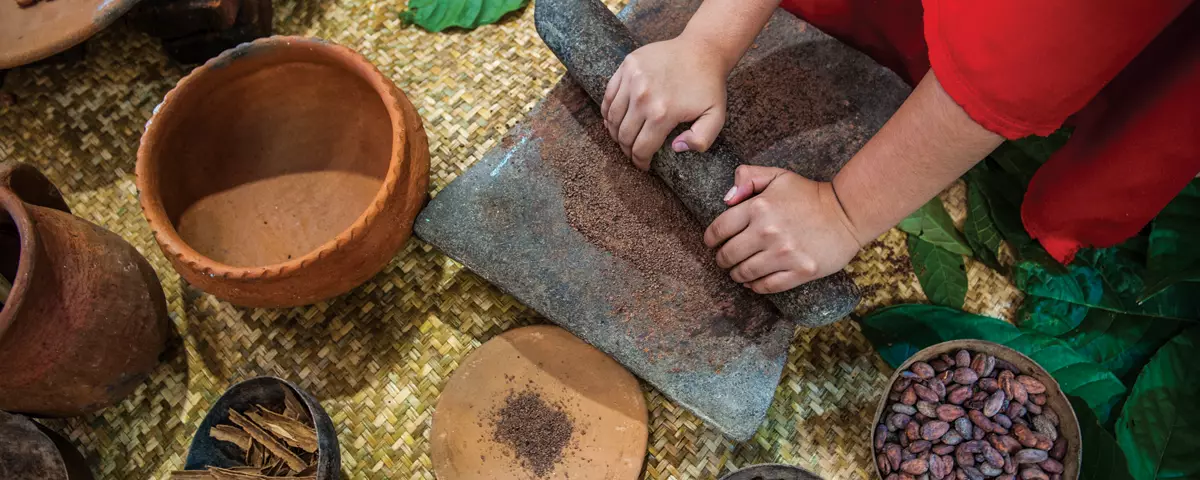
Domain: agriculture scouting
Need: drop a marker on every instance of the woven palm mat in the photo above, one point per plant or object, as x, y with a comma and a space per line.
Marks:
379, 356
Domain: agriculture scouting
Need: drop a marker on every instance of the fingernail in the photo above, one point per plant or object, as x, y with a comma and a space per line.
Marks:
732, 192
679, 146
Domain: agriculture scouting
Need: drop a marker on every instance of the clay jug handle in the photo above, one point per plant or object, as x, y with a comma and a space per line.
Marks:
28, 184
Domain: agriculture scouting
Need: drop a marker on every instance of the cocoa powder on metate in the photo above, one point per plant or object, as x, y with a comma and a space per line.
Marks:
682, 301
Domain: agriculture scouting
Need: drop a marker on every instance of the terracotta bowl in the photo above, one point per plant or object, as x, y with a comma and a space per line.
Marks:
266, 391
282, 172
1068, 424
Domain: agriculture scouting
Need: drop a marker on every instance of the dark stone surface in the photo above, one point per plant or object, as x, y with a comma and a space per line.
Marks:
591, 42
504, 218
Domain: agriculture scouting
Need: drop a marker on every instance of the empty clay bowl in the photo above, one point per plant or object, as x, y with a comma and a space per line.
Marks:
282, 172
29, 451
1055, 398
266, 391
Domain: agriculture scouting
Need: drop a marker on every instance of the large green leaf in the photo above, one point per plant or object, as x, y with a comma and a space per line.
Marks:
1040, 148
1049, 316
1003, 195
1159, 429
1120, 342
438, 15
942, 274
934, 225
899, 331
980, 230
1102, 458
1022, 157
1174, 249
1110, 279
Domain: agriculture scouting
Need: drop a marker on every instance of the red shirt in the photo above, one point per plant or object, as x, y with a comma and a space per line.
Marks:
1127, 74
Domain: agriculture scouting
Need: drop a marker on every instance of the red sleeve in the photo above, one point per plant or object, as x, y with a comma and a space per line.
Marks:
1021, 67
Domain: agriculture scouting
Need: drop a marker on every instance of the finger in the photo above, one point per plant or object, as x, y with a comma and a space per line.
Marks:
738, 249
755, 267
617, 109
702, 133
610, 91
631, 126
749, 180
654, 133
778, 282
728, 224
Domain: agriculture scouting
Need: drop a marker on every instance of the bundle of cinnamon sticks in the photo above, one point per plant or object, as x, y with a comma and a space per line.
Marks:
273, 444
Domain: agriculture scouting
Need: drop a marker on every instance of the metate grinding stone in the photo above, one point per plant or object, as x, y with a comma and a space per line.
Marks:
603, 401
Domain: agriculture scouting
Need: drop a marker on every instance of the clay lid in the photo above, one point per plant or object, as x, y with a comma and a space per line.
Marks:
49, 27
608, 410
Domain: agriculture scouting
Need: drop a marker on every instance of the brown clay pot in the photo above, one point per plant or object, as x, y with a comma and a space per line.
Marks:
282, 172
86, 319
29, 451
1055, 398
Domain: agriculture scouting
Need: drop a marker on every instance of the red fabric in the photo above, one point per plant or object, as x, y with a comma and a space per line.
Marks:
1135, 146
1022, 67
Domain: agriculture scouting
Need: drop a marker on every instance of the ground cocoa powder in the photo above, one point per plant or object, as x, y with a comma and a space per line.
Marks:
536, 430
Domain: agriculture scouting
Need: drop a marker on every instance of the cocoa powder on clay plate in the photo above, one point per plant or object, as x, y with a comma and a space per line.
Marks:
538, 432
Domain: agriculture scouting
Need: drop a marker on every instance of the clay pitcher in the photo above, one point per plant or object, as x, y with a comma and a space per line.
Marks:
85, 320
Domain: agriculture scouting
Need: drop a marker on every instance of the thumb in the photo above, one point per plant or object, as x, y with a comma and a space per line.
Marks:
749, 180
702, 133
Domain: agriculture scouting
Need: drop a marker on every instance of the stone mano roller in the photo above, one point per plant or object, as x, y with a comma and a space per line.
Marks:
592, 42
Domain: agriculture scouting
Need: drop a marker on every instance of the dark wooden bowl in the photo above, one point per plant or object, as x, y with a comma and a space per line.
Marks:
30, 451
771, 471
268, 392
1055, 398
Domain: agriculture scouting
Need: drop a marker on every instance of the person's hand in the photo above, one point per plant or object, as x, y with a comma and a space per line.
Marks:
660, 86
792, 232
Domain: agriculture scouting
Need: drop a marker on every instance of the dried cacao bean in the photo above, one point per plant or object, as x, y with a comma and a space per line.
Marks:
940, 466
1038, 399
1042, 425
1005, 443
1015, 391
1015, 410
905, 409
909, 397
993, 456
1002, 420
1005, 365
1010, 467
1007, 476
978, 434
922, 370
962, 358
965, 376
893, 397
989, 470
1051, 465
988, 384
1059, 450
881, 432
919, 446
1043, 442
963, 457
1033, 408
993, 404
912, 431
943, 449
1033, 473
906, 455
892, 452
938, 387
1032, 385
948, 359
928, 409
899, 421
1030, 455
980, 420
901, 384
952, 438
973, 473
959, 394
924, 393
964, 426
915, 466
938, 365
920, 418
1024, 435
884, 467
944, 377
934, 429
950, 413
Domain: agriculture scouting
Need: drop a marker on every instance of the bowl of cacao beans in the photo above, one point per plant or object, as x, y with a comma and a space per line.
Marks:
974, 410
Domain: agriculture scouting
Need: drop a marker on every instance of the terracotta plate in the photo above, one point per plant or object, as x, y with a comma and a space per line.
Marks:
604, 400
49, 27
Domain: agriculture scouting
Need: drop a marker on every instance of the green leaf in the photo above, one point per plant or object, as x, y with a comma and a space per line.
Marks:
1022, 157
934, 225
438, 15
1004, 195
1102, 457
1041, 148
1120, 342
942, 274
1049, 316
1159, 429
980, 230
899, 331
1110, 279
1174, 250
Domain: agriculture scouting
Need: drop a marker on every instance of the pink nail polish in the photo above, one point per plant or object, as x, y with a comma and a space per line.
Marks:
732, 192
679, 146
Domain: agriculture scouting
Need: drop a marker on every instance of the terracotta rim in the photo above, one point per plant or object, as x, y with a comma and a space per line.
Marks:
108, 14
26, 262
1067, 418
164, 231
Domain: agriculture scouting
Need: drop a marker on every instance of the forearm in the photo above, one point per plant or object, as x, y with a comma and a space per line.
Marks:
927, 144
728, 27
